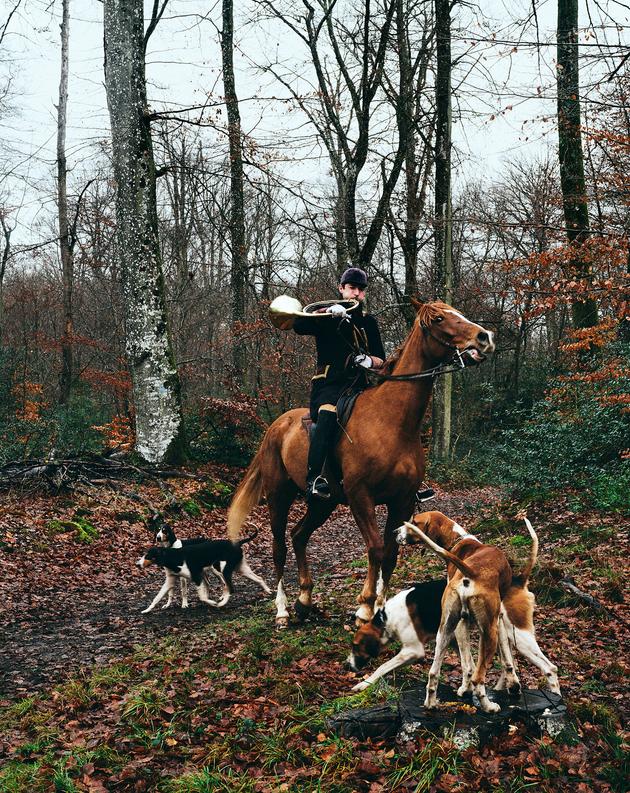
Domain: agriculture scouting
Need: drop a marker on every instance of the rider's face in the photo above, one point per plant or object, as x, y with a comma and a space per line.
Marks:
352, 292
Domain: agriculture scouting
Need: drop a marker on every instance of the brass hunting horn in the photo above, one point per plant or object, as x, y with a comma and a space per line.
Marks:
284, 309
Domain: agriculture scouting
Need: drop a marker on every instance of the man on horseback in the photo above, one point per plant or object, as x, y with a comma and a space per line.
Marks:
347, 344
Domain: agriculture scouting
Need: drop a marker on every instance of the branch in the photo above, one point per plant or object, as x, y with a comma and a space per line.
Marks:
155, 18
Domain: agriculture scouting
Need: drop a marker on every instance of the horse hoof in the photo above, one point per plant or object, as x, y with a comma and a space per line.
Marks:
301, 611
282, 623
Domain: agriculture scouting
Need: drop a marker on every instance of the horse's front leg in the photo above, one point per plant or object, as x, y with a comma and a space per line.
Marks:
362, 508
397, 513
301, 533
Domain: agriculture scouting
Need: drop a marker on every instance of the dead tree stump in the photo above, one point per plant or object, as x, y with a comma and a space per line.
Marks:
461, 718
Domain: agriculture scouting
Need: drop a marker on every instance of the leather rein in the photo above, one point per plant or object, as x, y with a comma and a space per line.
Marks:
456, 364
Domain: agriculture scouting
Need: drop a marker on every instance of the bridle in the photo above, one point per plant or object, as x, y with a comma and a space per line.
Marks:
456, 364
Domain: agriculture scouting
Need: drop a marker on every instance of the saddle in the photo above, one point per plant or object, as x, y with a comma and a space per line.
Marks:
332, 468
344, 411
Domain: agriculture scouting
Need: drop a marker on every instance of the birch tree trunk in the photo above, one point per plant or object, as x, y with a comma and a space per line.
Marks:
442, 392
156, 389
571, 155
238, 273
66, 241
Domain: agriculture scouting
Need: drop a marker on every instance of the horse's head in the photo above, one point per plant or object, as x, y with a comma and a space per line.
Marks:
447, 332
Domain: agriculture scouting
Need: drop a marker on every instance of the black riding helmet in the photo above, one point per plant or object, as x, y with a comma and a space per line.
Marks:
355, 276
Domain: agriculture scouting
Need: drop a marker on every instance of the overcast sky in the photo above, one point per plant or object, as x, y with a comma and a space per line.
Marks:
505, 101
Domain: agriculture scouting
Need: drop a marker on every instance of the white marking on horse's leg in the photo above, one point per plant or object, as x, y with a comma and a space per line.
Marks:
364, 613
282, 612
380, 592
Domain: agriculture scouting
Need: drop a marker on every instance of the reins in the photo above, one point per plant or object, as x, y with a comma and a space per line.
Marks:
435, 371
456, 364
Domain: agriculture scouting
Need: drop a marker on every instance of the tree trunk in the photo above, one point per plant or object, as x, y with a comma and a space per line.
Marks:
156, 388
442, 393
238, 273
66, 240
6, 250
571, 156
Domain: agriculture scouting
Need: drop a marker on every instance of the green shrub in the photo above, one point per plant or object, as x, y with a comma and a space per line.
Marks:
63, 431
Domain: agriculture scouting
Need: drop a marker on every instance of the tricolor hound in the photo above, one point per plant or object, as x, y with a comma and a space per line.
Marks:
166, 537
481, 587
191, 562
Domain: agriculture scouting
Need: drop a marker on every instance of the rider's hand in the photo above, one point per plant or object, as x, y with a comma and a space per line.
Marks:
337, 311
363, 360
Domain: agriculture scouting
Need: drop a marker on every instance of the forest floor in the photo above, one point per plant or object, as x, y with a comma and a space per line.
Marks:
95, 696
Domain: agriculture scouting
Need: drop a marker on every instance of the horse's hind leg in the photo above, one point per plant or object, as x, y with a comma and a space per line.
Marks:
279, 502
301, 533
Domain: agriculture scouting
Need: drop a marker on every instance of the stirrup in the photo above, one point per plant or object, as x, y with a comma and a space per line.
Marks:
424, 495
319, 489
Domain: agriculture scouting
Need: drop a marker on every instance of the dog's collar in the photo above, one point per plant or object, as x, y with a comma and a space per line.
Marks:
461, 539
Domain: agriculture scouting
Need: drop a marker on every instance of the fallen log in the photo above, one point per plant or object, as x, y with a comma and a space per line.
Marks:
66, 474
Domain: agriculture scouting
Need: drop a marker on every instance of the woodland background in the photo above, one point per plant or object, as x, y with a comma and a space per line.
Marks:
134, 328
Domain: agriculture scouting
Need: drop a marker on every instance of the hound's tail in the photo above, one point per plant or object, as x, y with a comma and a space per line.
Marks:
533, 552
446, 555
242, 542
247, 496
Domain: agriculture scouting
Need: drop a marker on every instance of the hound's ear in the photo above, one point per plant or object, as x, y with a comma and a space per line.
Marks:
416, 302
379, 619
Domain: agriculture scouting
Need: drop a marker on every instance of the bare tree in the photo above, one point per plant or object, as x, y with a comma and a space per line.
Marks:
571, 154
238, 277
156, 388
442, 395
359, 48
415, 127
66, 239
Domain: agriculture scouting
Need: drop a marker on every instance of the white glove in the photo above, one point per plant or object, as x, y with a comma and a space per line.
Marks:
363, 360
337, 311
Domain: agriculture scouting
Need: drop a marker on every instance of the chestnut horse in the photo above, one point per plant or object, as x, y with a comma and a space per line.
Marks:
380, 456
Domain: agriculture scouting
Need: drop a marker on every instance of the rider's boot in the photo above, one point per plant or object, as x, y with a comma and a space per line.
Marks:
317, 487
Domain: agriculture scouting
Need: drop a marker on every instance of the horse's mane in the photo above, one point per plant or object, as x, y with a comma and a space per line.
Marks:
427, 312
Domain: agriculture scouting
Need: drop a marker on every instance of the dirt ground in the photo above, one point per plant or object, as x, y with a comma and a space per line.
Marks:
67, 605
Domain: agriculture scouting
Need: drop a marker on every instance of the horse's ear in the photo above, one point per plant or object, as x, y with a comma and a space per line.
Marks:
416, 302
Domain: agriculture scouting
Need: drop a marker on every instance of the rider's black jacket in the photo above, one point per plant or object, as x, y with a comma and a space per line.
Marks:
338, 341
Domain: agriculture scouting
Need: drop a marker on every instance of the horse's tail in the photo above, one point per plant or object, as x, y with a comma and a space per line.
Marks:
466, 569
247, 496
533, 553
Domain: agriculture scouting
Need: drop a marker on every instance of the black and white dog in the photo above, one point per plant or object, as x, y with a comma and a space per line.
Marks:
192, 560
166, 537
